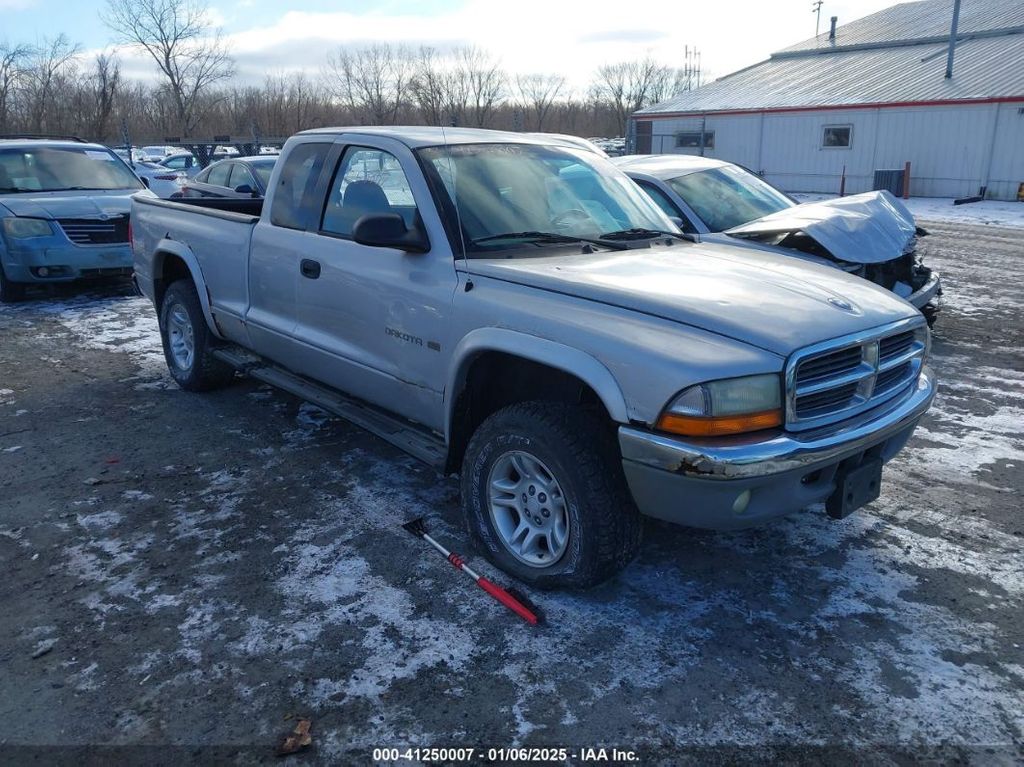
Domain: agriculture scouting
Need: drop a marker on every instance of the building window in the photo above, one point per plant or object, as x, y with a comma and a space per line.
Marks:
692, 140
836, 137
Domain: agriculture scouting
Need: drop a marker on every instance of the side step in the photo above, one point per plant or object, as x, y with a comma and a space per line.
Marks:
417, 441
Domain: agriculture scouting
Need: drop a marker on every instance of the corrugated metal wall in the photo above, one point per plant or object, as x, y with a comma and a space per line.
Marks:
953, 149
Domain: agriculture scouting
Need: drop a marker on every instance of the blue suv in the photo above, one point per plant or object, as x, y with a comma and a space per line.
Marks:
64, 208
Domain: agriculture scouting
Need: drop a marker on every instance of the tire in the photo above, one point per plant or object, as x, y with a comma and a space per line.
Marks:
10, 291
577, 450
188, 342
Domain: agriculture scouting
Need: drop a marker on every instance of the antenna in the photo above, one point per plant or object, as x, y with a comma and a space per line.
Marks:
455, 191
816, 9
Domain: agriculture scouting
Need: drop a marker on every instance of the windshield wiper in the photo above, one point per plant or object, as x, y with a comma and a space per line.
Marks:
553, 237
640, 233
77, 189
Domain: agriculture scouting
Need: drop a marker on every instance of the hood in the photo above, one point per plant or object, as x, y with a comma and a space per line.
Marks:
868, 228
773, 302
83, 204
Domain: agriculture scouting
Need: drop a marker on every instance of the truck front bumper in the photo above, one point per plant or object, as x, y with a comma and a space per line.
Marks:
927, 293
63, 263
726, 484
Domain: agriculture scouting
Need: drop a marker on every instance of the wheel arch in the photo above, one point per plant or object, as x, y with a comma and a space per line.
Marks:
504, 366
171, 262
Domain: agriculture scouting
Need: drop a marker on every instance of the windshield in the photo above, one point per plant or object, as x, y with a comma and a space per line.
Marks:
533, 189
52, 169
728, 196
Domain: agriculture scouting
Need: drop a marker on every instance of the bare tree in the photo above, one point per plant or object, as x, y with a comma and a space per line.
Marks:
538, 93
373, 81
105, 81
49, 66
177, 34
632, 85
13, 66
484, 83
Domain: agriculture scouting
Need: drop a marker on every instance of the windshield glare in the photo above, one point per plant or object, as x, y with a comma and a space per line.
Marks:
47, 169
728, 196
508, 188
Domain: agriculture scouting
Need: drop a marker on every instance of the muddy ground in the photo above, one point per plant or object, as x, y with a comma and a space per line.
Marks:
187, 574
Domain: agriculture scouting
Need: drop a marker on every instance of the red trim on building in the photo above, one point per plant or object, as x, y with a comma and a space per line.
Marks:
875, 105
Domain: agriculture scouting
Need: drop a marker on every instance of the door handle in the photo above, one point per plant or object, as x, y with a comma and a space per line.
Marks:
310, 268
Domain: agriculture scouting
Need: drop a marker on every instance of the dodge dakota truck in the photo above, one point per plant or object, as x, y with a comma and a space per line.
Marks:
516, 311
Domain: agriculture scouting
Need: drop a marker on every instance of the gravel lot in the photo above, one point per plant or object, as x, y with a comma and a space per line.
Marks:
206, 568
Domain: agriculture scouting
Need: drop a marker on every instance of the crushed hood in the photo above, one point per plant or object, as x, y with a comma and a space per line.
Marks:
75, 204
771, 301
868, 228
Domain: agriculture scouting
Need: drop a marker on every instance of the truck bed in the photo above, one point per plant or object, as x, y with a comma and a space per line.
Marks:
230, 208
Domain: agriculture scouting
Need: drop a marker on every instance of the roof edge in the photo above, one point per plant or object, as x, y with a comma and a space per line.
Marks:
830, 107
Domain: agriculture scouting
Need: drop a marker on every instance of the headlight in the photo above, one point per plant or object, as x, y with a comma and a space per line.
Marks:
23, 228
732, 406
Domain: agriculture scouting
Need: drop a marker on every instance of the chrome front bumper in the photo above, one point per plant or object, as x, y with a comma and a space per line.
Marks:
701, 482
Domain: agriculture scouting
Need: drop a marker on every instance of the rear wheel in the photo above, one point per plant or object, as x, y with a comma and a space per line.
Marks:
188, 342
10, 291
545, 498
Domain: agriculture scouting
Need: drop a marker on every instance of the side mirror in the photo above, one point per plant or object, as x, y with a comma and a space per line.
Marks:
245, 189
388, 230
678, 221
145, 181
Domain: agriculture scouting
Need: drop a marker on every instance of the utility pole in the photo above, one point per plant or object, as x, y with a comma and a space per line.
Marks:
816, 10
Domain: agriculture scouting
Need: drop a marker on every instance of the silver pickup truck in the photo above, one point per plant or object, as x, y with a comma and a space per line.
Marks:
515, 310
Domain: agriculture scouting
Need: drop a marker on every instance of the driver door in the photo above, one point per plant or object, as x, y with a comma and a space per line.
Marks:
373, 320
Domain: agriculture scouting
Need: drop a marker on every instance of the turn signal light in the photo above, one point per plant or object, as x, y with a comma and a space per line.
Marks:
719, 426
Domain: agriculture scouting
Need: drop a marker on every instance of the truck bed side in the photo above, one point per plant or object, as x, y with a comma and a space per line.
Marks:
209, 238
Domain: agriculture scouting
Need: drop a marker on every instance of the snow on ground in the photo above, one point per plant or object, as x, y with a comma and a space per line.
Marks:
987, 212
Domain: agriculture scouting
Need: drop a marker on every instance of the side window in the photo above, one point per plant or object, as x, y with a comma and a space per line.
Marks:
218, 174
366, 181
240, 176
666, 205
178, 163
296, 181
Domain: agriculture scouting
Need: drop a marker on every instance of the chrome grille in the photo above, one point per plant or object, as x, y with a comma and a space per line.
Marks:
95, 231
839, 379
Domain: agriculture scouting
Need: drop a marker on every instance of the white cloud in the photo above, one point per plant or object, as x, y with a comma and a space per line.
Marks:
570, 37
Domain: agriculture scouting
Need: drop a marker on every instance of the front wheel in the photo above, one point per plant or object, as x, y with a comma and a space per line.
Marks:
188, 342
545, 498
10, 291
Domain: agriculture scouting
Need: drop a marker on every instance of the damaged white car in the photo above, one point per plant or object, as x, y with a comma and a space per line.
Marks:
872, 235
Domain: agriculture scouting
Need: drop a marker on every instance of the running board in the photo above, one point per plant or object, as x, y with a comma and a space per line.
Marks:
416, 441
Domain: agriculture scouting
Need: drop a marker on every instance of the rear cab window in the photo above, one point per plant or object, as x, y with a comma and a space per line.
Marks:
293, 199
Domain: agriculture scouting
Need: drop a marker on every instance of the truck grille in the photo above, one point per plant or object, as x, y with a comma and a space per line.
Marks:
839, 379
95, 231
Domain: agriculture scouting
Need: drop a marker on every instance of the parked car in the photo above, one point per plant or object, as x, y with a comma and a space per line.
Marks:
515, 310
64, 209
155, 153
183, 162
162, 181
241, 177
872, 235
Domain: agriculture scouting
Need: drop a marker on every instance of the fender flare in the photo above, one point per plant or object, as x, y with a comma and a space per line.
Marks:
167, 247
535, 349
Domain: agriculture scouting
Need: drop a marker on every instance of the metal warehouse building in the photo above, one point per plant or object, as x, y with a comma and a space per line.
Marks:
869, 95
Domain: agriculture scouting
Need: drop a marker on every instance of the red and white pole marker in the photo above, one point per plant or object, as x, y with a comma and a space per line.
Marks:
417, 528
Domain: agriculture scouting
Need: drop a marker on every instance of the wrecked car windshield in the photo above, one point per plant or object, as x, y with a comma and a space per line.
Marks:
513, 195
728, 196
52, 169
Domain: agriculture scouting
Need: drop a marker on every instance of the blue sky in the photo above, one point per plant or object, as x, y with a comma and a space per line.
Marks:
572, 37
